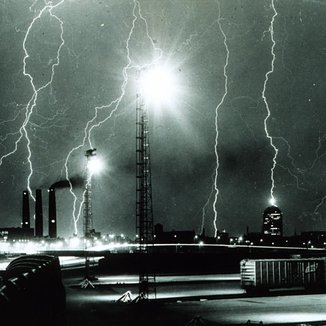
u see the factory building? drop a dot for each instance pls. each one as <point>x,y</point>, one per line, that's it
<point>52,214</point>
<point>38,214</point>
<point>26,223</point>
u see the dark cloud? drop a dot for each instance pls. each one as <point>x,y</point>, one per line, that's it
<point>182,135</point>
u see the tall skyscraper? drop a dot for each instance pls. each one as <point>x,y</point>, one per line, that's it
<point>273,221</point>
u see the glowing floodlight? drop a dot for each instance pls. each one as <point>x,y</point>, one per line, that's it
<point>158,85</point>
<point>94,165</point>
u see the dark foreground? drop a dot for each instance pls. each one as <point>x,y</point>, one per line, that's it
<point>36,291</point>
<point>99,306</point>
<point>295,310</point>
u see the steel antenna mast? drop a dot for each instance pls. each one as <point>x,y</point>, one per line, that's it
<point>88,218</point>
<point>144,208</point>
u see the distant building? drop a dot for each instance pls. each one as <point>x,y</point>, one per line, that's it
<point>222,238</point>
<point>16,233</point>
<point>254,238</point>
<point>272,221</point>
<point>313,238</point>
<point>94,234</point>
<point>173,236</point>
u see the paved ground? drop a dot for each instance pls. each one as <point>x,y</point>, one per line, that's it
<point>215,301</point>
<point>184,300</point>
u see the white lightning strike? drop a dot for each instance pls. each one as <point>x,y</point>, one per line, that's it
<point>216,116</point>
<point>271,30</point>
<point>33,100</point>
<point>321,203</point>
<point>318,157</point>
<point>114,105</point>
<point>297,170</point>
<point>206,204</point>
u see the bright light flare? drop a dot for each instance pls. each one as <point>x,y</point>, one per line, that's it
<point>158,86</point>
<point>74,242</point>
<point>95,165</point>
<point>272,201</point>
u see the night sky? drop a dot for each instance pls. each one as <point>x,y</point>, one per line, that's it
<point>189,35</point>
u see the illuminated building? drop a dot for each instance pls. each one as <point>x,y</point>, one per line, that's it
<point>13,233</point>
<point>272,221</point>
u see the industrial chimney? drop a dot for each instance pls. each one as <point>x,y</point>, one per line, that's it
<point>38,214</point>
<point>26,214</point>
<point>52,214</point>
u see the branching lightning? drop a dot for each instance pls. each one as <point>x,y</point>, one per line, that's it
<point>321,203</point>
<point>318,157</point>
<point>112,107</point>
<point>288,169</point>
<point>48,8</point>
<point>216,117</point>
<point>271,30</point>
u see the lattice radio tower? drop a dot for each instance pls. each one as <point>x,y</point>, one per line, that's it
<point>87,209</point>
<point>88,218</point>
<point>144,208</point>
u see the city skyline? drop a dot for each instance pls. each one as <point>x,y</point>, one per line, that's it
<point>234,63</point>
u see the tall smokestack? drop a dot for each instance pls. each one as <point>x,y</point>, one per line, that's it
<point>26,223</point>
<point>52,214</point>
<point>38,214</point>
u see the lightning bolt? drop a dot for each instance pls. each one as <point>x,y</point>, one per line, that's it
<point>48,8</point>
<point>321,203</point>
<point>318,157</point>
<point>112,107</point>
<point>206,204</point>
<point>288,169</point>
<point>5,122</point>
<point>216,189</point>
<point>271,30</point>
